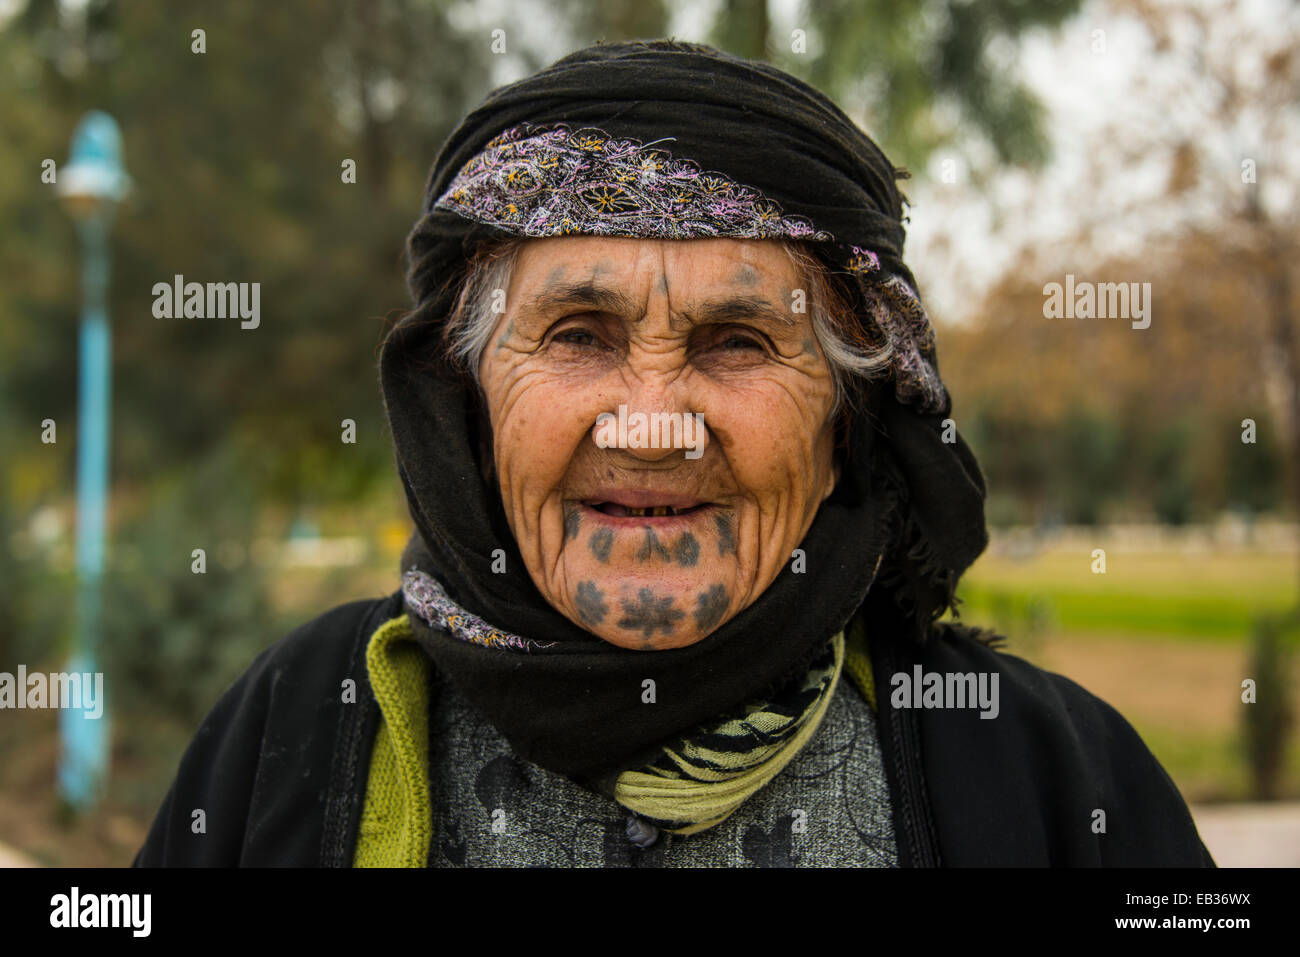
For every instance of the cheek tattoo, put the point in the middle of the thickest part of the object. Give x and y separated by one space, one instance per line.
709 607
600 544
726 534
591 603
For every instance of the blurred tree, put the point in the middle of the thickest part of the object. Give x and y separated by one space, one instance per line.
1167 463
742 27
1231 163
1214 116
12 570
611 21
1105 420
1268 719
1090 453
180 627
1016 455
891 63
238 156
1253 472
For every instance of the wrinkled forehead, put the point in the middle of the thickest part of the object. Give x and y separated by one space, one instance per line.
695 267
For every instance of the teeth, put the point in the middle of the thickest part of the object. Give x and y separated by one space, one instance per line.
656 511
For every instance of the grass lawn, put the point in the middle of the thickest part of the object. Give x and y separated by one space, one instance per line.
1163 636
1211 596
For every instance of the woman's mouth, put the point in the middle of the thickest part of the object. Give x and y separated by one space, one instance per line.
649 511
645 508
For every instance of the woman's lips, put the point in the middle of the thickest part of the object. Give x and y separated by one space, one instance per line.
650 511
662 517
637 498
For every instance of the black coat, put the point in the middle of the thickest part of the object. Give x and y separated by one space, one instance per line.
280 765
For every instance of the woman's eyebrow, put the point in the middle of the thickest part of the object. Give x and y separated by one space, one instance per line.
587 293
604 299
738 309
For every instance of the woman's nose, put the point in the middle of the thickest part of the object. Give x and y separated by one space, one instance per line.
653 420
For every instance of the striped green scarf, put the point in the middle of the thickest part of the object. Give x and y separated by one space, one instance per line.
700 783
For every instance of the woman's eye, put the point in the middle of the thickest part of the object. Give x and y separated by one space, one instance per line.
576 337
740 341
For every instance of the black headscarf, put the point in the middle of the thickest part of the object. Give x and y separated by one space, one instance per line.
672 140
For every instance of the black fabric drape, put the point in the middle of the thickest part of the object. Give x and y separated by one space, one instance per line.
905 495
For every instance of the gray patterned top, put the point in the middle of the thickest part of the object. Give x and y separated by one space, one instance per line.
828 808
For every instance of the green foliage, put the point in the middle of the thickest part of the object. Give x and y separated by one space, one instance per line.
1091 449
1069 470
236 155
897 60
175 639
1087 465
1169 472
743 27
1253 471
12 574
613 21
1015 453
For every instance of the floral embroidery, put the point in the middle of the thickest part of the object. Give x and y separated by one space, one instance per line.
552 181
427 598
548 181
863 261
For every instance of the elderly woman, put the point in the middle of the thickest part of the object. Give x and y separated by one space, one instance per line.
688 506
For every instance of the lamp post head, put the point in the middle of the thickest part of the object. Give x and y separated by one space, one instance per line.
94 178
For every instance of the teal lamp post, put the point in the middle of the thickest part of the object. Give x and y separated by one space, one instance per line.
91 185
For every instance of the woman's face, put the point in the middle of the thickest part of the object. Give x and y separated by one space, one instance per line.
654 535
